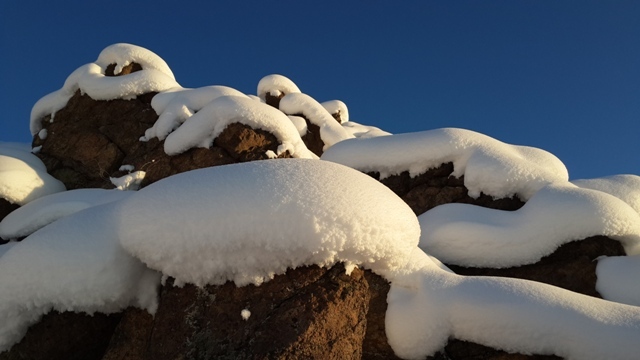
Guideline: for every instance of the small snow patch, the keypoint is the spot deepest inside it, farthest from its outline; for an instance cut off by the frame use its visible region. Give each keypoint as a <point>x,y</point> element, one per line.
<point>245,314</point>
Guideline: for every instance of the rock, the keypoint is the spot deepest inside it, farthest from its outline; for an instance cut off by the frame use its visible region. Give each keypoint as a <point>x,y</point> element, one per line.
<point>65,336</point>
<point>5,209</point>
<point>571,266</point>
<point>89,140</point>
<point>464,350</point>
<point>437,187</point>
<point>308,312</point>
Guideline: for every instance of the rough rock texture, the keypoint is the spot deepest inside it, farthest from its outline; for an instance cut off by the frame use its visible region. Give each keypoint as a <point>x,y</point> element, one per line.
<point>571,266</point>
<point>437,187</point>
<point>89,140</point>
<point>65,336</point>
<point>308,312</point>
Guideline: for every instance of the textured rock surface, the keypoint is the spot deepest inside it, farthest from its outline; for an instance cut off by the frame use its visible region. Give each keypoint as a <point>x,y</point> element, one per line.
<point>89,140</point>
<point>437,187</point>
<point>6,208</point>
<point>65,336</point>
<point>309,312</point>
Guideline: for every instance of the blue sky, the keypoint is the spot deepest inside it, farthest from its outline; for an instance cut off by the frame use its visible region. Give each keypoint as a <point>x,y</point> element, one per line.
<point>563,76</point>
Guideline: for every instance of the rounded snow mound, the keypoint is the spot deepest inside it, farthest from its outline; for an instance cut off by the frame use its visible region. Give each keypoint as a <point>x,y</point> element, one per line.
<point>269,216</point>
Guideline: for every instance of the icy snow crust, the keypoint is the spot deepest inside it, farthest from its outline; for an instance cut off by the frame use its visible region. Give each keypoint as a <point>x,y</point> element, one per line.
<point>23,177</point>
<point>489,166</point>
<point>475,236</point>
<point>277,214</point>
<point>90,79</point>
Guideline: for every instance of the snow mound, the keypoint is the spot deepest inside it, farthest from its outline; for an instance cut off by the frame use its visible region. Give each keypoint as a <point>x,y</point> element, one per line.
<point>489,166</point>
<point>624,187</point>
<point>337,107</point>
<point>73,264</point>
<point>268,216</point>
<point>474,236</point>
<point>203,127</point>
<point>427,305</point>
<point>90,79</point>
<point>176,106</point>
<point>331,131</point>
<point>363,131</point>
<point>23,177</point>
<point>618,279</point>
<point>47,209</point>
<point>276,85</point>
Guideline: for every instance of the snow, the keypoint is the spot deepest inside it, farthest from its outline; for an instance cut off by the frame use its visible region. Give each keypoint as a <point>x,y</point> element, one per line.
<point>624,187</point>
<point>427,305</point>
<point>474,236</point>
<point>337,107</point>
<point>489,166</point>
<point>363,131</point>
<point>175,107</point>
<point>73,264</point>
<point>245,314</point>
<point>23,177</point>
<point>276,85</point>
<point>47,209</point>
<point>90,79</point>
<point>203,127</point>
<point>128,168</point>
<point>618,279</point>
<point>130,181</point>
<point>95,250</point>
<point>264,217</point>
<point>331,131</point>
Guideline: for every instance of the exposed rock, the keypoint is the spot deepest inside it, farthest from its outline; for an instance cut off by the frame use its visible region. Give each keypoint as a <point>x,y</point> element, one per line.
<point>571,266</point>
<point>308,312</point>
<point>65,336</point>
<point>437,187</point>
<point>464,350</point>
<point>89,140</point>
<point>312,139</point>
<point>5,209</point>
<point>132,67</point>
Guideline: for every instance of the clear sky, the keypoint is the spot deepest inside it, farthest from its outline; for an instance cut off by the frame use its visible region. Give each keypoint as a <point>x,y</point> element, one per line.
<point>563,76</point>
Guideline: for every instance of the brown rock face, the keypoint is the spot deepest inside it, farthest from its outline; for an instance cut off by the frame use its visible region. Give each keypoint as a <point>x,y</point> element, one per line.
<point>307,313</point>
<point>89,140</point>
<point>65,336</point>
<point>437,187</point>
<point>571,266</point>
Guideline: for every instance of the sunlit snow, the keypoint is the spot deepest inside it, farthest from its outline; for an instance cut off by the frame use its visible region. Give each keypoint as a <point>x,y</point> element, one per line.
<point>96,250</point>
<point>469,235</point>
<point>489,166</point>
<point>23,177</point>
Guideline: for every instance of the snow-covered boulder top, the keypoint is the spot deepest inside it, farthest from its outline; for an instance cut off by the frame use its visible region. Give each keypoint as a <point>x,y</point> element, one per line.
<point>337,107</point>
<point>276,85</point>
<point>203,127</point>
<point>90,79</point>
<point>489,166</point>
<point>23,177</point>
<point>45,210</point>
<point>624,187</point>
<point>331,131</point>
<point>273,215</point>
<point>474,236</point>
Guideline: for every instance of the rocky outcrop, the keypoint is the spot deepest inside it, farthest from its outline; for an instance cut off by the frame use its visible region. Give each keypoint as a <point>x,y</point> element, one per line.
<point>90,140</point>
<point>6,208</point>
<point>308,312</point>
